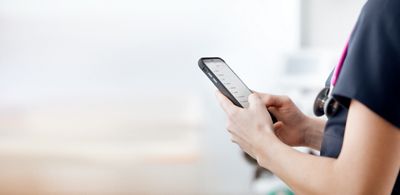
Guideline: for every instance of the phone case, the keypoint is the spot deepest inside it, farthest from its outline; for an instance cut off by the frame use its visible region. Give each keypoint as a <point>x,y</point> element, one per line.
<point>219,84</point>
<point>216,81</point>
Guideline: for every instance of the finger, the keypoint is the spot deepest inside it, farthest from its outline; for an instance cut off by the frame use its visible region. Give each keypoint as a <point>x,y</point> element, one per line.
<point>277,133</point>
<point>274,111</point>
<point>225,103</point>
<point>272,100</point>
<point>232,130</point>
<point>237,140</point>
<point>254,100</point>
<point>234,139</point>
<point>277,125</point>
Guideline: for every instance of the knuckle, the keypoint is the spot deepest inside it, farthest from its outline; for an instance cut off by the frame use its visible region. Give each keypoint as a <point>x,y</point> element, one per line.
<point>229,129</point>
<point>233,140</point>
<point>267,98</point>
<point>229,126</point>
<point>286,99</point>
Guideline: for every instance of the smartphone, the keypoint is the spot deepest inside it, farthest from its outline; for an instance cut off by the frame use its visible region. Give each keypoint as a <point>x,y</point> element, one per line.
<point>227,82</point>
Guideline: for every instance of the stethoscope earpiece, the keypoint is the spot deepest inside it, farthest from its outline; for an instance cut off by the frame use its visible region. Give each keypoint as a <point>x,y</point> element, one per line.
<point>331,106</point>
<point>325,104</point>
<point>319,102</point>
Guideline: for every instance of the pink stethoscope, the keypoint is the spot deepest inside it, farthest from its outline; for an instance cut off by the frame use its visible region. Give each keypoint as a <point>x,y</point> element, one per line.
<point>325,103</point>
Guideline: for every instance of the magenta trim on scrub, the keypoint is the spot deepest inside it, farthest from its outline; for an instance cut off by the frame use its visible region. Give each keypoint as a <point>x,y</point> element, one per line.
<point>339,66</point>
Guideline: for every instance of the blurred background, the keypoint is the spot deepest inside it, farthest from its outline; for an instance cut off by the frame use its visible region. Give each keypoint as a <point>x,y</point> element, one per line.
<point>105,96</point>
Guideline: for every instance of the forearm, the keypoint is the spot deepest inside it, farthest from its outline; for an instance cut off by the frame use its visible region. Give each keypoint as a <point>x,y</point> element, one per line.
<point>314,132</point>
<point>305,174</point>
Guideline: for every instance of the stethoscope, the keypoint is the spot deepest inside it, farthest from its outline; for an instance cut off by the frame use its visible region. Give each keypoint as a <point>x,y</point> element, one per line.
<point>325,103</point>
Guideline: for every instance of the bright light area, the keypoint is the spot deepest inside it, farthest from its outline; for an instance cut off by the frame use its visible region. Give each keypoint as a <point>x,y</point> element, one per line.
<point>105,96</point>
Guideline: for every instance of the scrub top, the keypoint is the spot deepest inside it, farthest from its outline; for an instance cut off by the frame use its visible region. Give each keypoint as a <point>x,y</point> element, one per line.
<point>370,72</point>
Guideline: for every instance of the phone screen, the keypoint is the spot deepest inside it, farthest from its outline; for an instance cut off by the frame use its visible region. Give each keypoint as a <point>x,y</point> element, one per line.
<point>230,80</point>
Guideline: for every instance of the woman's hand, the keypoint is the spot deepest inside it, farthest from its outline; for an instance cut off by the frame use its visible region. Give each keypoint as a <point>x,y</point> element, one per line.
<point>251,128</point>
<point>293,127</point>
<point>292,123</point>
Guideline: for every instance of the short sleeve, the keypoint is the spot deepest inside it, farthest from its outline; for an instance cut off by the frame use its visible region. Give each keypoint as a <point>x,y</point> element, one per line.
<point>371,70</point>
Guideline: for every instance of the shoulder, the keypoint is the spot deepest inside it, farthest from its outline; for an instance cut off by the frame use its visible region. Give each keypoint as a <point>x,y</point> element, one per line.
<point>371,71</point>
<point>376,10</point>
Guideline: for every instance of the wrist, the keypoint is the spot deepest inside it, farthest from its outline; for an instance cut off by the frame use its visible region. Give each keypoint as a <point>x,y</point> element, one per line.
<point>313,132</point>
<point>265,151</point>
<point>305,130</point>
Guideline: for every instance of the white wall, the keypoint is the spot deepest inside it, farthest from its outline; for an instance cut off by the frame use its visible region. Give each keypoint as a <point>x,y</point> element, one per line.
<point>58,48</point>
<point>57,53</point>
<point>327,24</point>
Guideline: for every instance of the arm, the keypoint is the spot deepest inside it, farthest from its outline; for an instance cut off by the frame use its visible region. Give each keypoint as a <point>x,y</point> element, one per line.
<point>368,164</point>
<point>314,133</point>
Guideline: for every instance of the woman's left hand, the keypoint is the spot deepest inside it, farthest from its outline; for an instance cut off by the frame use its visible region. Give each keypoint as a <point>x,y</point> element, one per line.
<point>250,128</point>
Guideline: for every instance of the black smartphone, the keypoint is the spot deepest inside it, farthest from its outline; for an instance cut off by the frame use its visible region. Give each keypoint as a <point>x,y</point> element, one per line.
<point>227,82</point>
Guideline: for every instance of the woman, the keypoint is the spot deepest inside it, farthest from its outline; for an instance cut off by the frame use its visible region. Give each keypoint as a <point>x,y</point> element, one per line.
<point>360,142</point>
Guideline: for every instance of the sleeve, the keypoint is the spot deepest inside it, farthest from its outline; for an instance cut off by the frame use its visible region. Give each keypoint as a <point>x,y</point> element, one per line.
<point>371,70</point>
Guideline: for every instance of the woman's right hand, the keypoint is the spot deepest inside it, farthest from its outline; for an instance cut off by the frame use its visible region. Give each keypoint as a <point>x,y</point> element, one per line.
<point>293,127</point>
